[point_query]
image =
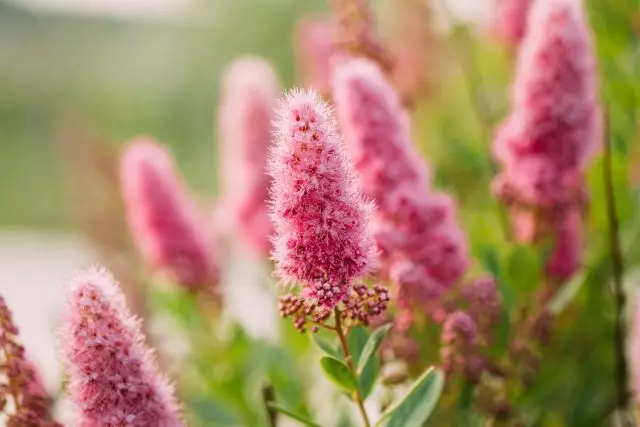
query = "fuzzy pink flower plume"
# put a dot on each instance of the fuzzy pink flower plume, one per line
(314, 48)
(423, 249)
(321, 220)
(250, 91)
(554, 126)
(166, 225)
(509, 20)
(113, 379)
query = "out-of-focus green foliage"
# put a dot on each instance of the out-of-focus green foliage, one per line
(122, 78)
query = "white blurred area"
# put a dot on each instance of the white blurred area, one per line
(143, 9)
(34, 267)
(467, 10)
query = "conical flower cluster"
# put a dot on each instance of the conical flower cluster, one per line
(322, 238)
(250, 92)
(165, 223)
(423, 249)
(554, 126)
(113, 380)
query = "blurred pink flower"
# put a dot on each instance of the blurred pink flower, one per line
(20, 383)
(509, 20)
(565, 258)
(164, 221)
(459, 344)
(553, 129)
(249, 94)
(314, 48)
(321, 220)
(484, 302)
(423, 250)
(113, 379)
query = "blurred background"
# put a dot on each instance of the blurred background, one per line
(104, 71)
(80, 77)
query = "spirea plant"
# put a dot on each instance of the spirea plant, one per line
(430, 247)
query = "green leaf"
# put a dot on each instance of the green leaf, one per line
(566, 294)
(304, 420)
(368, 362)
(211, 412)
(326, 346)
(491, 261)
(339, 373)
(524, 269)
(416, 407)
(372, 345)
(356, 340)
(502, 334)
(368, 376)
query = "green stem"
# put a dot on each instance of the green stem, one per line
(268, 396)
(617, 266)
(357, 396)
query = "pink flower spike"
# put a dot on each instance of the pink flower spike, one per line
(321, 220)
(423, 250)
(554, 126)
(552, 132)
(376, 129)
(250, 92)
(164, 221)
(113, 379)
